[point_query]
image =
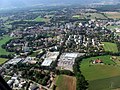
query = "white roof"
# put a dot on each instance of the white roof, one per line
(47, 62)
(71, 54)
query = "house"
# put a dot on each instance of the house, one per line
(97, 61)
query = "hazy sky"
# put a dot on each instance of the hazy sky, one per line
(20, 3)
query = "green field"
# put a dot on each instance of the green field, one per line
(2, 60)
(3, 40)
(77, 16)
(105, 84)
(94, 15)
(101, 77)
(64, 82)
(39, 19)
(108, 46)
(90, 16)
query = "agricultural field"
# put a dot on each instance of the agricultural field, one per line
(2, 60)
(64, 82)
(113, 15)
(94, 15)
(104, 76)
(112, 27)
(116, 59)
(3, 40)
(111, 47)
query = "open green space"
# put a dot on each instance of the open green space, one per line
(94, 15)
(64, 82)
(7, 78)
(77, 16)
(113, 15)
(112, 27)
(116, 59)
(39, 19)
(104, 76)
(3, 40)
(34, 54)
(2, 60)
(111, 47)
(105, 84)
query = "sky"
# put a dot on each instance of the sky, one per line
(22, 3)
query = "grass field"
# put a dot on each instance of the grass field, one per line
(95, 15)
(3, 40)
(39, 19)
(101, 77)
(77, 16)
(105, 84)
(112, 47)
(114, 15)
(2, 60)
(65, 82)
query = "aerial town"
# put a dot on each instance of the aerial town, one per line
(61, 48)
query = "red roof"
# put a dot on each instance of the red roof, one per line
(98, 61)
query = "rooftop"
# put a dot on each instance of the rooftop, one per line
(47, 62)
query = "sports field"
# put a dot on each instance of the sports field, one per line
(64, 82)
(101, 76)
(108, 46)
(3, 40)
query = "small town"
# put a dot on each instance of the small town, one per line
(61, 47)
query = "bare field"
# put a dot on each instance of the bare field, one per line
(114, 15)
(65, 82)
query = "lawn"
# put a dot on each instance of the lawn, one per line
(64, 82)
(3, 40)
(101, 77)
(111, 47)
(2, 60)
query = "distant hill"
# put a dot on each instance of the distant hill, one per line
(24, 3)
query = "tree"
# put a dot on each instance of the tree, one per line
(82, 84)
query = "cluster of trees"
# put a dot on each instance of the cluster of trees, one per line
(66, 72)
(9, 56)
(42, 78)
(118, 46)
(82, 84)
(39, 76)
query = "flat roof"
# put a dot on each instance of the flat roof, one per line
(47, 62)
(71, 54)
